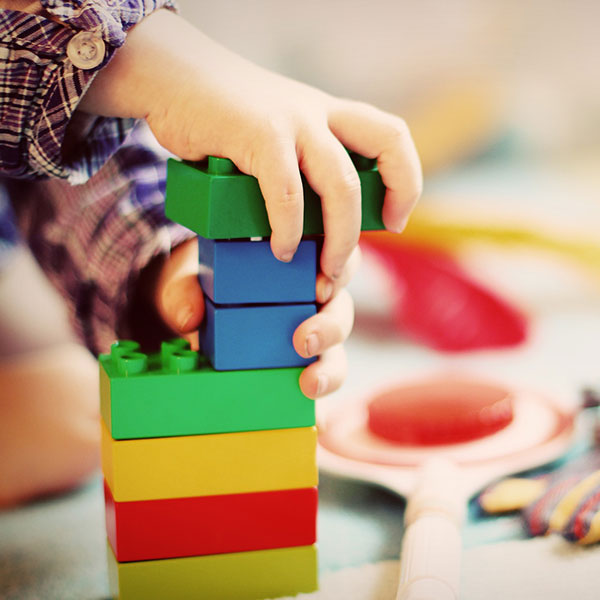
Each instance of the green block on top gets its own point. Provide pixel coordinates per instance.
(216, 201)
(176, 392)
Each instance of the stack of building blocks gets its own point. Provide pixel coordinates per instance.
(210, 477)
(209, 459)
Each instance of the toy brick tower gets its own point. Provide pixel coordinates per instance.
(210, 469)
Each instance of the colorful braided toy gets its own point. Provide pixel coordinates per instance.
(566, 502)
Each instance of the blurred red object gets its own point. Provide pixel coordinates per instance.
(443, 411)
(436, 302)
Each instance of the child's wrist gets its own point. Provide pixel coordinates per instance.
(136, 80)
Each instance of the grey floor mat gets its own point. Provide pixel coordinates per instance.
(54, 549)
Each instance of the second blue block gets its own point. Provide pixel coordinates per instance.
(246, 272)
(252, 337)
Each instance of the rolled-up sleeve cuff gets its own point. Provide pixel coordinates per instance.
(43, 82)
(110, 19)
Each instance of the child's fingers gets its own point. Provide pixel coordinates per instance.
(380, 135)
(325, 375)
(330, 172)
(327, 288)
(329, 327)
(184, 304)
(277, 171)
(178, 295)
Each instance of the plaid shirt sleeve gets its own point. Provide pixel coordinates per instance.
(92, 240)
(40, 86)
(93, 219)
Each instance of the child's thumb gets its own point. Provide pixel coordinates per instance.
(182, 304)
(178, 295)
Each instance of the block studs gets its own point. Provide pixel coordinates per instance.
(122, 347)
(183, 361)
(132, 363)
(221, 166)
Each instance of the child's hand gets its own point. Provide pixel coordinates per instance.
(178, 299)
(323, 334)
(201, 99)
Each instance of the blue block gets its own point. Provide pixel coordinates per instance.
(246, 272)
(253, 337)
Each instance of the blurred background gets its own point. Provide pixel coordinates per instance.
(524, 66)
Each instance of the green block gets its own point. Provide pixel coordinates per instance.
(218, 202)
(176, 392)
(239, 576)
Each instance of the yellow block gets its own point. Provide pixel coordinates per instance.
(241, 576)
(208, 465)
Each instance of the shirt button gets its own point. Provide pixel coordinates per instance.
(86, 50)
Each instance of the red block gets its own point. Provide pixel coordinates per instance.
(176, 527)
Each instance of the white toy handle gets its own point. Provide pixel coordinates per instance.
(430, 558)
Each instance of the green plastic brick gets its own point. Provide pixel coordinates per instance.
(176, 392)
(239, 576)
(218, 202)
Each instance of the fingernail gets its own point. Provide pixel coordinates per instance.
(312, 344)
(322, 384)
(184, 316)
(325, 291)
(287, 257)
(401, 226)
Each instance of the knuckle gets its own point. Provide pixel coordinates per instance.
(398, 131)
(264, 122)
(290, 199)
(347, 185)
(274, 131)
(360, 107)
